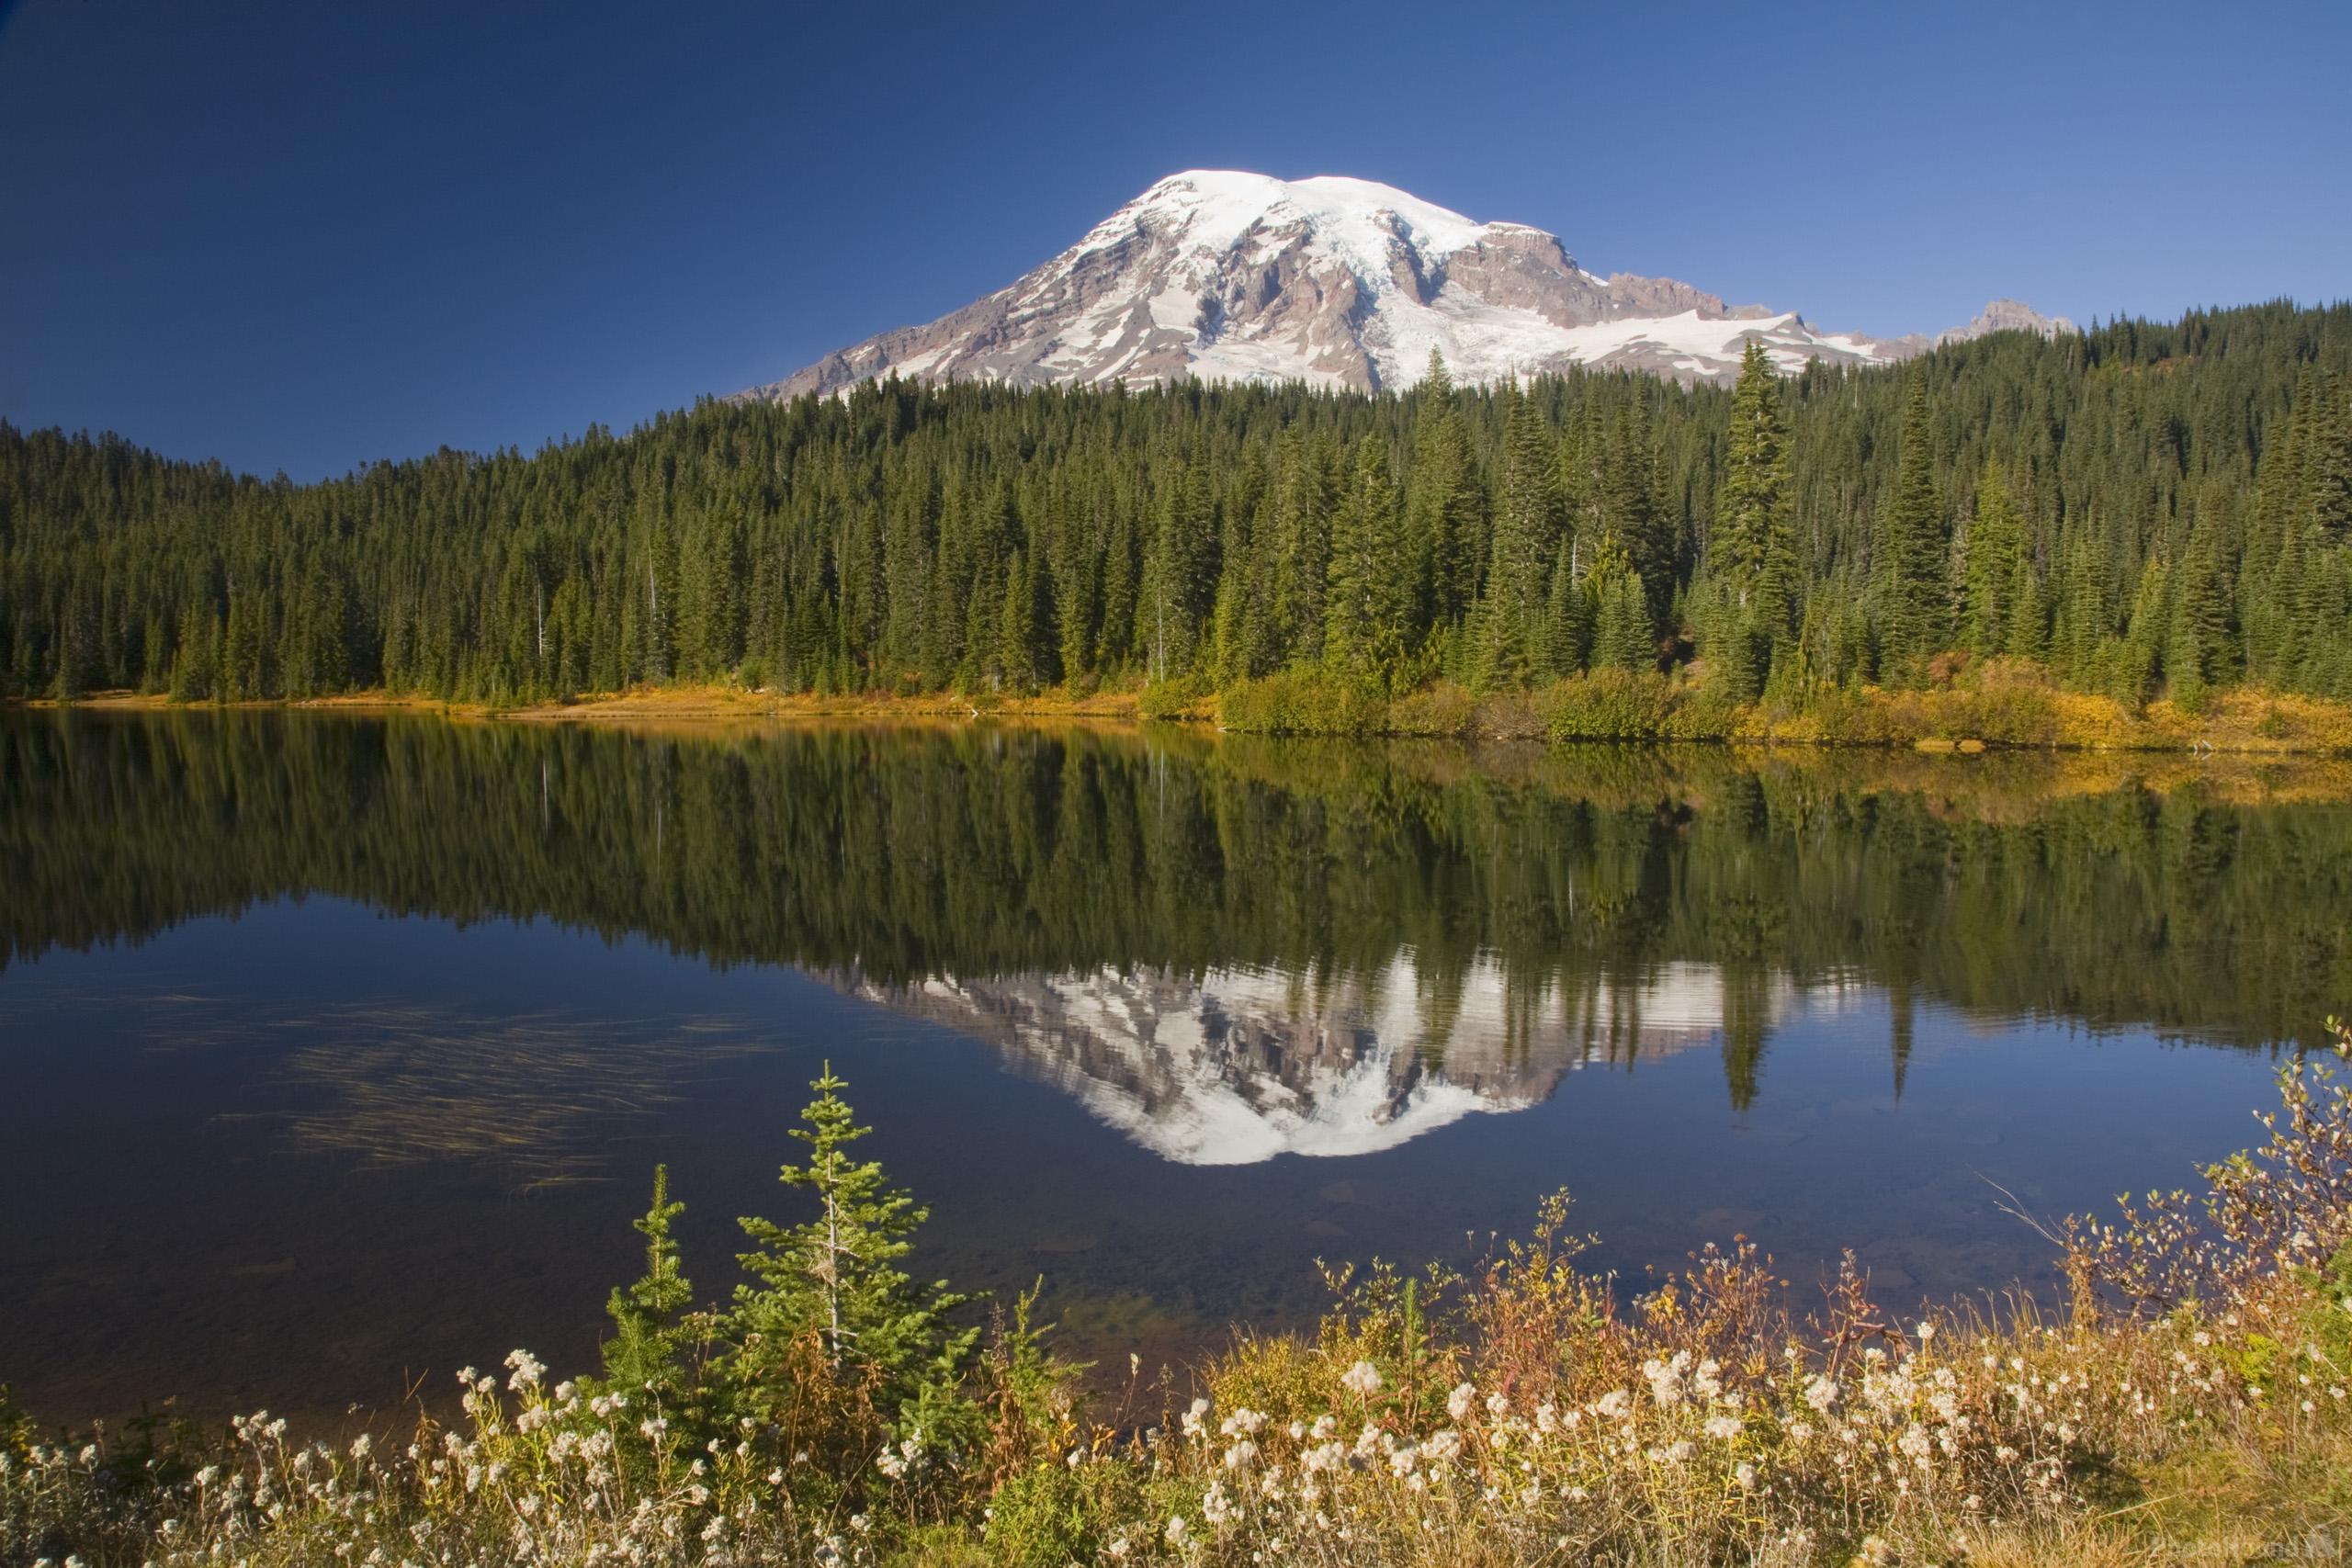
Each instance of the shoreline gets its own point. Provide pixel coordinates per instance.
(2243, 724)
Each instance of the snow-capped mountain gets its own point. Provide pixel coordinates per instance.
(1341, 283)
(1235, 1066)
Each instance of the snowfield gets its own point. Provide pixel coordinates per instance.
(1341, 284)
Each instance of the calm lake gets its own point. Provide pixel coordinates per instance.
(338, 1052)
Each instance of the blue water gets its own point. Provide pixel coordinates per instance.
(211, 1197)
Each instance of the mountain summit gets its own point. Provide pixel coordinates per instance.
(1341, 283)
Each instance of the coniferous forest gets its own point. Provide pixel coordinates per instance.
(2144, 509)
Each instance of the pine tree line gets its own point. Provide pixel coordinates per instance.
(2143, 508)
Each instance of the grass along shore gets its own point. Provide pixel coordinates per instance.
(2187, 1404)
(1998, 704)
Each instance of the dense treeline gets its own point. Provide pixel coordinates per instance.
(904, 854)
(2144, 507)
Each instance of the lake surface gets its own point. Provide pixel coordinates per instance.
(336, 1052)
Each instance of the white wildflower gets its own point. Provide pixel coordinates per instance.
(1666, 1379)
(527, 1370)
(1243, 1423)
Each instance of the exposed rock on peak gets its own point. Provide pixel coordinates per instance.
(1341, 283)
(2006, 316)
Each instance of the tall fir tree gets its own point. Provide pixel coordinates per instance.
(2201, 639)
(1527, 522)
(1996, 559)
(1913, 546)
(1369, 582)
(1442, 505)
(1752, 552)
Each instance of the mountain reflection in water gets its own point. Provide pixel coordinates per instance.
(1240, 1065)
(333, 1046)
(2112, 891)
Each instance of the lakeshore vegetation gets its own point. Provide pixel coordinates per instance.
(2188, 1401)
(2139, 517)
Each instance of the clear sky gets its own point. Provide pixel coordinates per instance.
(303, 236)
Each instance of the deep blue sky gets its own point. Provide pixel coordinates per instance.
(307, 235)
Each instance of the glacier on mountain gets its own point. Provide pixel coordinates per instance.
(1341, 284)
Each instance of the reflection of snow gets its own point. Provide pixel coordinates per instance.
(1240, 1065)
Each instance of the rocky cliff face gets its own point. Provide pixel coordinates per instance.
(1341, 283)
(2007, 316)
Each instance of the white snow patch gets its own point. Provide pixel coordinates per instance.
(1179, 309)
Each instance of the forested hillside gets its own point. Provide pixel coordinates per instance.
(2144, 508)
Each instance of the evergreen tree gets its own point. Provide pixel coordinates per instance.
(1633, 518)
(1752, 552)
(2028, 613)
(1182, 579)
(1567, 636)
(1076, 591)
(1369, 583)
(2141, 656)
(1528, 519)
(1442, 506)
(2085, 623)
(1913, 546)
(1753, 515)
(1995, 561)
(649, 1325)
(1018, 659)
(1622, 635)
(2325, 453)
(194, 675)
(832, 1282)
(1302, 549)
(2201, 639)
